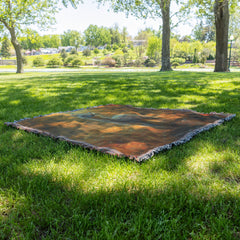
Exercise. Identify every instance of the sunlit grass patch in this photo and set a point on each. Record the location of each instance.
(53, 190)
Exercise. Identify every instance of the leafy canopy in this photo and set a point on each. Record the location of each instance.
(21, 13)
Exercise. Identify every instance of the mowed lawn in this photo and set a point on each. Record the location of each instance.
(53, 190)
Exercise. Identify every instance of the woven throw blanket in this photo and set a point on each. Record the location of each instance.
(122, 130)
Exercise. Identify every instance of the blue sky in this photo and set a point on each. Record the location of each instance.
(89, 13)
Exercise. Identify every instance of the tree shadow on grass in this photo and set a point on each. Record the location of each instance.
(43, 205)
(110, 198)
(38, 95)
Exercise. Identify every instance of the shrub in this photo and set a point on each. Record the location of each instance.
(96, 50)
(38, 62)
(119, 60)
(131, 46)
(105, 52)
(109, 61)
(130, 63)
(203, 59)
(118, 52)
(125, 50)
(97, 62)
(63, 54)
(178, 60)
(150, 62)
(175, 64)
(115, 46)
(86, 52)
(109, 48)
(126, 59)
(54, 62)
(138, 62)
(74, 51)
(76, 62)
(68, 60)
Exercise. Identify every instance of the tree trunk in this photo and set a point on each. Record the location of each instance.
(165, 8)
(17, 48)
(221, 12)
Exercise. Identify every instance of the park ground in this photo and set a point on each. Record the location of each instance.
(53, 190)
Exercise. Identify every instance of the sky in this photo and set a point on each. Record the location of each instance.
(88, 13)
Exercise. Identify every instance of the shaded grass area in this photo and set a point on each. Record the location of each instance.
(52, 190)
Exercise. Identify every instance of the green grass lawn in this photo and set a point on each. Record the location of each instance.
(52, 190)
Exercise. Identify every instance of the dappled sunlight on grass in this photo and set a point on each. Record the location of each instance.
(51, 189)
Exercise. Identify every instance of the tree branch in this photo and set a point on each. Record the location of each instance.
(5, 23)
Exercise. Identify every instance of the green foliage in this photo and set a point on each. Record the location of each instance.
(74, 51)
(138, 62)
(17, 14)
(178, 60)
(175, 64)
(192, 50)
(77, 62)
(154, 48)
(5, 49)
(71, 38)
(118, 52)
(63, 54)
(119, 60)
(124, 35)
(51, 41)
(86, 52)
(31, 40)
(105, 51)
(73, 61)
(109, 47)
(68, 60)
(150, 62)
(126, 59)
(234, 25)
(115, 35)
(125, 50)
(54, 62)
(97, 62)
(205, 33)
(145, 35)
(38, 62)
(96, 50)
(97, 36)
(140, 51)
(236, 51)
(115, 47)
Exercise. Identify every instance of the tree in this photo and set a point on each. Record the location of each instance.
(115, 35)
(154, 48)
(72, 38)
(205, 32)
(51, 41)
(31, 41)
(221, 10)
(15, 15)
(5, 50)
(144, 35)
(124, 35)
(144, 9)
(97, 36)
(165, 9)
(234, 25)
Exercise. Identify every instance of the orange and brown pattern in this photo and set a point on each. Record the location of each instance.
(136, 133)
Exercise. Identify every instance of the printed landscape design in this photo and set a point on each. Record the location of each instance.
(122, 130)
